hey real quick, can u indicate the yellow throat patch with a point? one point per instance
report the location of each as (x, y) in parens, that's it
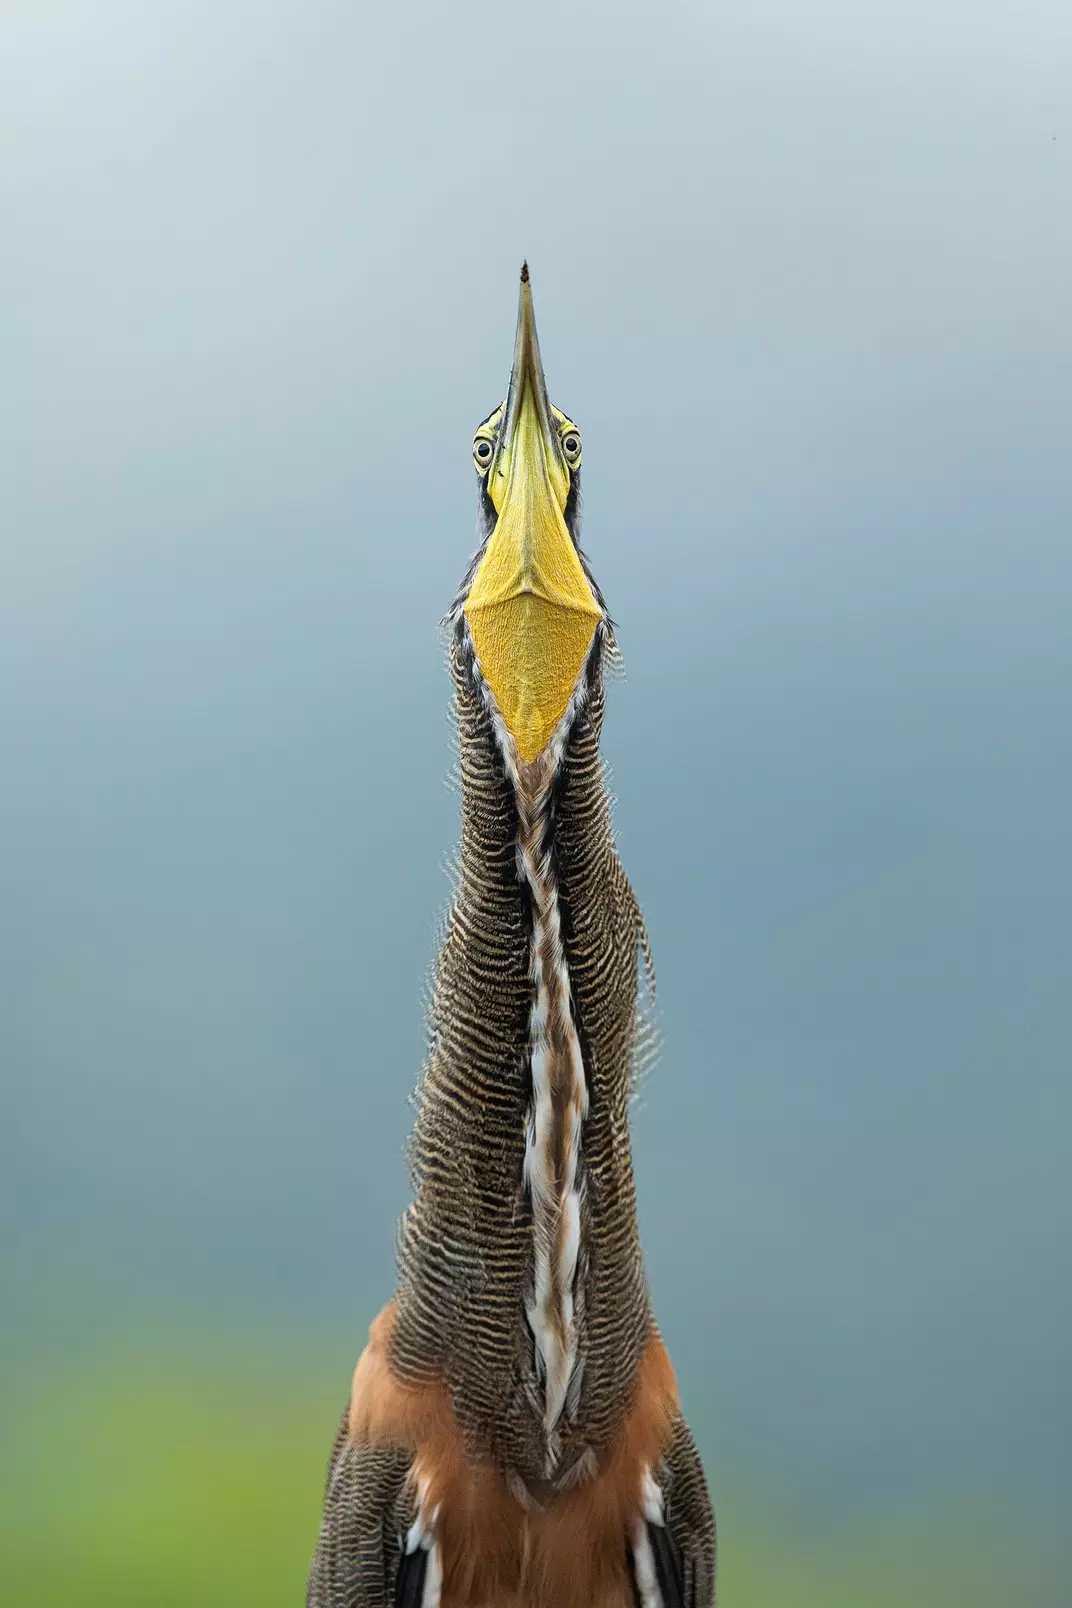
(531, 610)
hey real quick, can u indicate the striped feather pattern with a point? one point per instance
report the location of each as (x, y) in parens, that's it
(689, 1521)
(541, 899)
(368, 1507)
(602, 929)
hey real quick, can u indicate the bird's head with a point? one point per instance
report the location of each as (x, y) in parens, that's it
(530, 606)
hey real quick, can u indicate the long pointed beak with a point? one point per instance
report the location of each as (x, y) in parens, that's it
(527, 383)
(531, 610)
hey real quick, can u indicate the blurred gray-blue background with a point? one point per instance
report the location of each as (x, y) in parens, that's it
(802, 277)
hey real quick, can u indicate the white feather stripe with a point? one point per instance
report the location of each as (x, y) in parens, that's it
(554, 1050)
(644, 1568)
(421, 1535)
(653, 1500)
(556, 1201)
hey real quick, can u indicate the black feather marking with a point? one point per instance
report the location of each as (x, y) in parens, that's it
(669, 1571)
(409, 1587)
(572, 511)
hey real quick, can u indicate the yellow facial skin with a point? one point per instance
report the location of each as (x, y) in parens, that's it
(531, 610)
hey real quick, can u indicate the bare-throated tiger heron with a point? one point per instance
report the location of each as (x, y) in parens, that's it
(514, 1437)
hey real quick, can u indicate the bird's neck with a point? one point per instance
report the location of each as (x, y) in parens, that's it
(520, 1270)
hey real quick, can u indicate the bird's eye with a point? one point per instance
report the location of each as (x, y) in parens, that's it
(571, 447)
(482, 452)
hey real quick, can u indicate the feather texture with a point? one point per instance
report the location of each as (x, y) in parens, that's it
(514, 1438)
(520, 1267)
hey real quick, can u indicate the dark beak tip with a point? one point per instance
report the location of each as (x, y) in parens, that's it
(524, 273)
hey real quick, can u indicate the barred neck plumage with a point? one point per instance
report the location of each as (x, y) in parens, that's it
(521, 1278)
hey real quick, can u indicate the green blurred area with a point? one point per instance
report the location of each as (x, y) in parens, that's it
(163, 1477)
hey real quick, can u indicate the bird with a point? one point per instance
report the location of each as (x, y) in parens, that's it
(514, 1436)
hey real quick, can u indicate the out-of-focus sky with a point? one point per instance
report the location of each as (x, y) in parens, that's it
(802, 277)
